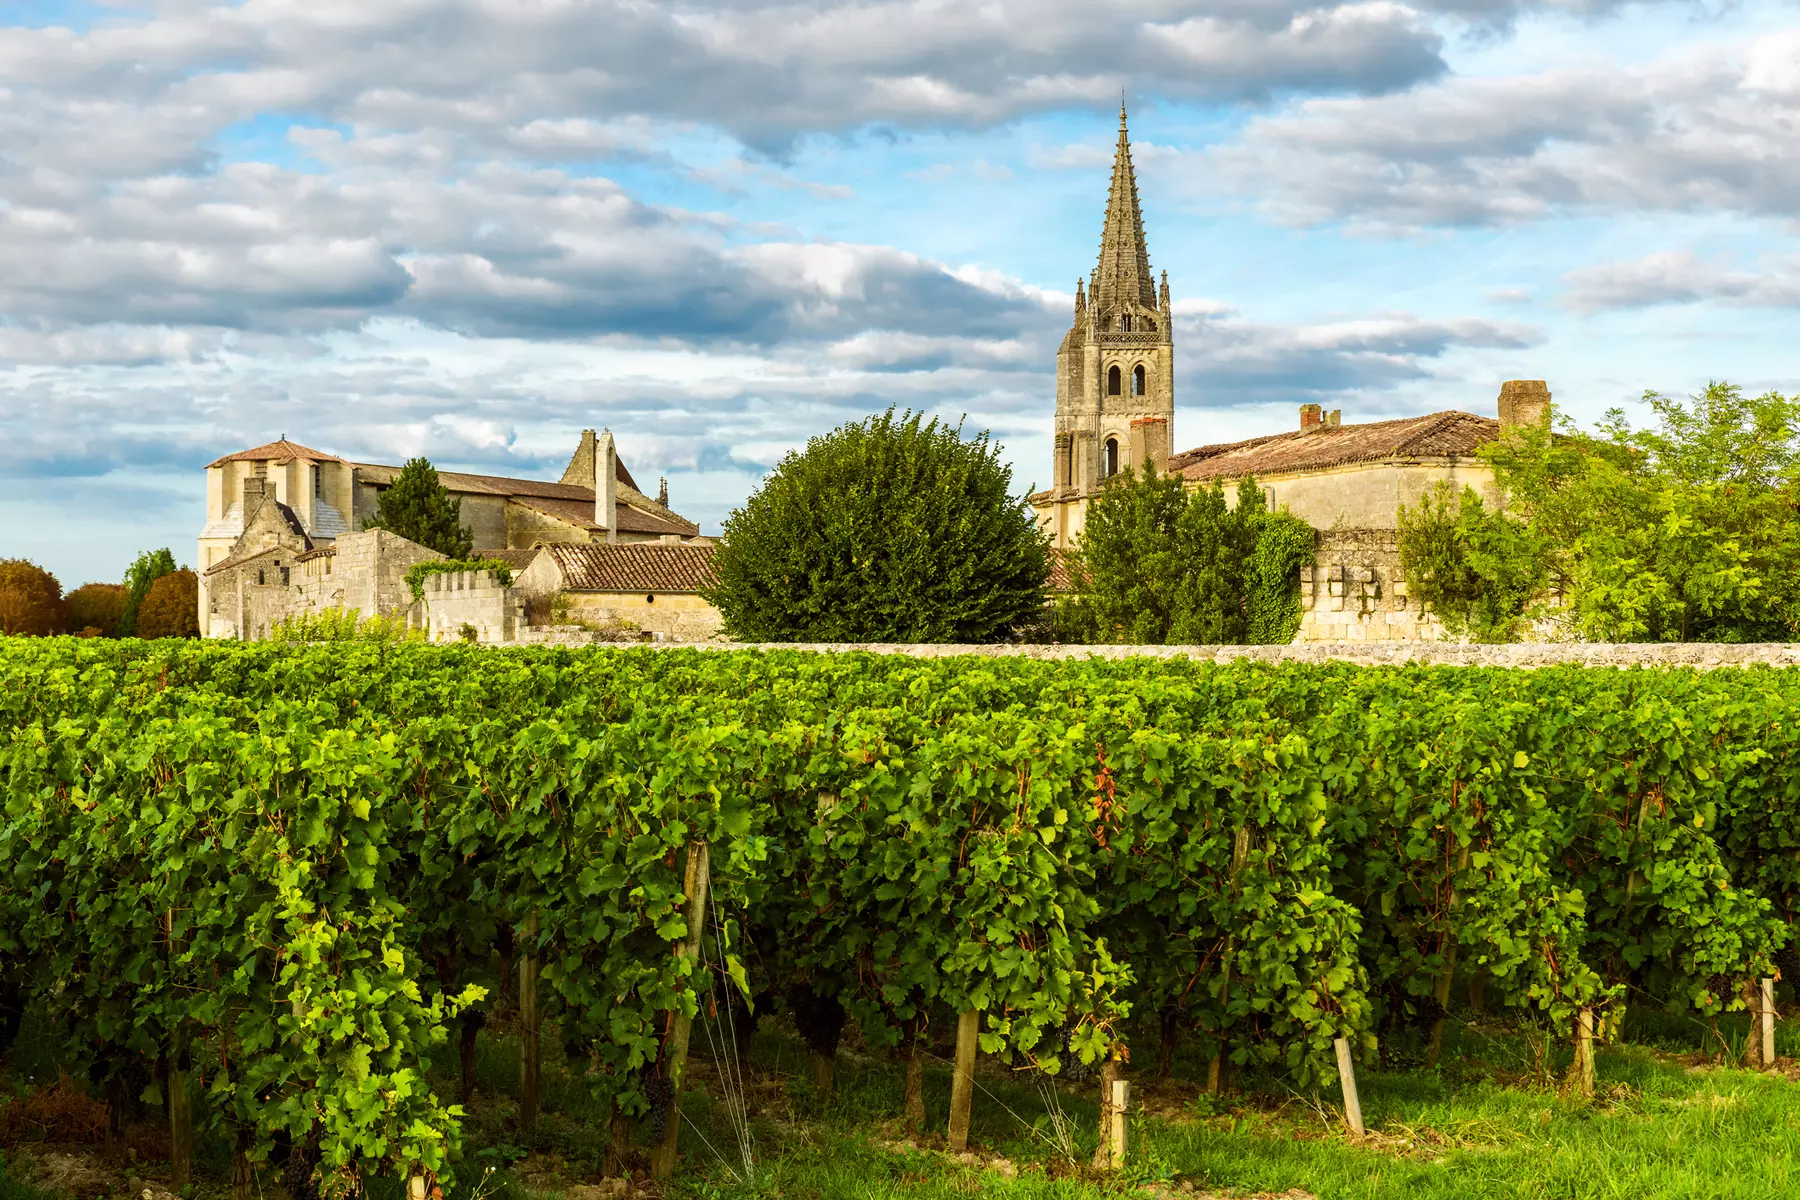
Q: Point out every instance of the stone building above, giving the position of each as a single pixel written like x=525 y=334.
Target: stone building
x=1115 y=408
x=321 y=498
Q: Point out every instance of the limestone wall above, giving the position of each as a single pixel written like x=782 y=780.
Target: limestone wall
x=1356 y=592
x=678 y=617
x=474 y=599
x=1701 y=656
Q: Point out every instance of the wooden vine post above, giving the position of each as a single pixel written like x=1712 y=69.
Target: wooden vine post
x=1583 y=1070
x=1766 y=1011
x=695 y=879
x=1347 y=1080
x=1110 y=1071
x=528 y=1027
x=415 y=1188
x=1121 y=1109
x=1215 y=1069
x=962 y=1078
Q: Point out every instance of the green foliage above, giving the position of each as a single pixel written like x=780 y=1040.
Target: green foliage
x=1685 y=531
x=1157 y=565
x=171 y=607
x=1477 y=569
x=420 y=571
x=890 y=529
x=145 y=569
x=419 y=508
x=342 y=625
x=97 y=606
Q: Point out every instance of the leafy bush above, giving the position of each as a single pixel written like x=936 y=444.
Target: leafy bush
x=97 y=606
x=1157 y=565
x=342 y=625
x=145 y=570
x=171 y=608
x=890 y=529
x=31 y=600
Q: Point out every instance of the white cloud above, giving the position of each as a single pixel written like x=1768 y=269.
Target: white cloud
x=1709 y=129
x=1680 y=277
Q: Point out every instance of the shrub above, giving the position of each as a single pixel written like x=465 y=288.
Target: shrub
x=31 y=600
x=890 y=529
x=144 y=571
x=172 y=607
x=98 y=607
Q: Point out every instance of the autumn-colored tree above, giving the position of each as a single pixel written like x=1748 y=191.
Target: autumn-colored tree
x=31 y=600
x=96 y=608
x=172 y=607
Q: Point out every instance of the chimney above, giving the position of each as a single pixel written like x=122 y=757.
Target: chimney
x=1334 y=418
x=1524 y=402
x=253 y=488
x=1311 y=417
x=606 y=485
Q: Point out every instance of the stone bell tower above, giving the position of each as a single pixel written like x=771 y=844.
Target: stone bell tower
x=1115 y=372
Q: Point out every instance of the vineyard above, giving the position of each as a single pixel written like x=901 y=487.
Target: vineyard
x=296 y=883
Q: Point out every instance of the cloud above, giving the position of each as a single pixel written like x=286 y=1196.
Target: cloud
x=1680 y=277
x=1707 y=130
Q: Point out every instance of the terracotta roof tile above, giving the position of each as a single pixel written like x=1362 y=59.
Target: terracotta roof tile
x=518 y=560
x=278 y=451
x=633 y=566
x=1437 y=435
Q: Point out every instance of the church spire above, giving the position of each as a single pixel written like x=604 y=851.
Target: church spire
x=1123 y=275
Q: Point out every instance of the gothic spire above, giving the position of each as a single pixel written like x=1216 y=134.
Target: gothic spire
x=1124 y=271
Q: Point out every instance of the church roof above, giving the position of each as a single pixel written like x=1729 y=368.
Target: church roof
x=633 y=567
x=1436 y=435
x=1123 y=273
x=280 y=450
x=580 y=513
x=482 y=485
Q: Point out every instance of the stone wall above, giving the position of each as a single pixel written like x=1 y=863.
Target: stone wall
x=1356 y=592
x=1698 y=655
x=473 y=599
x=675 y=616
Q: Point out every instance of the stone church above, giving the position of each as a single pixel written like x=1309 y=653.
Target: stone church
x=1115 y=408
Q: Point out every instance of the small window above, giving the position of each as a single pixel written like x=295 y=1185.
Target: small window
x=259 y=577
x=1149 y=325
x=650 y=599
x=1112 y=382
x=1137 y=380
x=1112 y=457
x=1125 y=322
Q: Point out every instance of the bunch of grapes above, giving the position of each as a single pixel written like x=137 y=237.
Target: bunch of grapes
x=662 y=1098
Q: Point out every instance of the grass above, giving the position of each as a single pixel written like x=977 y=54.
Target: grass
x=1491 y=1120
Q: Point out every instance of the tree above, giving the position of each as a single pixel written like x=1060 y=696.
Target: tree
x=890 y=529
x=418 y=507
x=95 y=609
x=31 y=600
x=1685 y=531
x=1157 y=564
x=172 y=609
x=144 y=570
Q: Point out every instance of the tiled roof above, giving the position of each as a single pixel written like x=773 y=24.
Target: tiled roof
x=483 y=485
x=518 y=560
x=580 y=513
x=1059 y=570
x=277 y=451
x=1438 y=435
x=633 y=566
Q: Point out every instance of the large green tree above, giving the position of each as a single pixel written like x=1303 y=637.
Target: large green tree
x=172 y=609
x=145 y=569
x=1157 y=564
x=95 y=609
x=890 y=529
x=418 y=507
x=1688 y=530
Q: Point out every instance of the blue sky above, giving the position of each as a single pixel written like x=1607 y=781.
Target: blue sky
x=470 y=229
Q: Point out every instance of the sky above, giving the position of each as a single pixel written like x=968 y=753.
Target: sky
x=469 y=230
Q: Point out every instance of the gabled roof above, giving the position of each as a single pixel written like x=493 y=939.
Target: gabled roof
x=276 y=451
x=580 y=513
x=1437 y=435
x=633 y=566
x=381 y=475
